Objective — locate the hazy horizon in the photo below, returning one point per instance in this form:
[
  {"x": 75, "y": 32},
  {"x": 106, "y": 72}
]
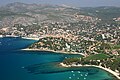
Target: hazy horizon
[{"x": 74, "y": 3}]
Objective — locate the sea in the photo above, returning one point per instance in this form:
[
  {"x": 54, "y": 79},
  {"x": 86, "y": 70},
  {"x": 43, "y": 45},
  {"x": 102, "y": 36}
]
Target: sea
[{"x": 16, "y": 64}]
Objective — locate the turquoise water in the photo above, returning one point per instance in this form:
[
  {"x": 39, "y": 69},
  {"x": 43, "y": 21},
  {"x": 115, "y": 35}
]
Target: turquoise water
[{"x": 30, "y": 65}]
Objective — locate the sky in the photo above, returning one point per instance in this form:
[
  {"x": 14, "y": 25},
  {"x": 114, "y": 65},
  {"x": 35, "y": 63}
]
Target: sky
[{"x": 74, "y": 3}]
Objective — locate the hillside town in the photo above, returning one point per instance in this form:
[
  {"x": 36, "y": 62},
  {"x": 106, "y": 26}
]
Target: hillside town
[{"x": 70, "y": 31}]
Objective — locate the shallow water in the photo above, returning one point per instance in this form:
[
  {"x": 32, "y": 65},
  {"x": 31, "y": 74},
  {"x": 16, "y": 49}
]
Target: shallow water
[{"x": 30, "y": 65}]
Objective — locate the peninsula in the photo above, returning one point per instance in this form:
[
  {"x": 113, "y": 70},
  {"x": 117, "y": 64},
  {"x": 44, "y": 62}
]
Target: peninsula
[{"x": 106, "y": 62}]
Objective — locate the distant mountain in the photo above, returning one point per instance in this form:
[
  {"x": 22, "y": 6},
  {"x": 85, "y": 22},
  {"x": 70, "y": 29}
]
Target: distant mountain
[
  {"x": 104, "y": 12},
  {"x": 16, "y": 13},
  {"x": 22, "y": 7},
  {"x": 27, "y": 14}
]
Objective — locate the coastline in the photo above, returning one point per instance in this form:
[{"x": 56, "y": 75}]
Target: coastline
[
  {"x": 106, "y": 69},
  {"x": 27, "y": 49},
  {"x": 21, "y": 37},
  {"x": 30, "y": 38}
]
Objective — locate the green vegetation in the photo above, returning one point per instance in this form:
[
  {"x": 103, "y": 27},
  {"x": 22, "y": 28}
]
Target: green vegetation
[
  {"x": 104, "y": 60},
  {"x": 62, "y": 44},
  {"x": 51, "y": 43},
  {"x": 116, "y": 46},
  {"x": 68, "y": 61},
  {"x": 97, "y": 57}
]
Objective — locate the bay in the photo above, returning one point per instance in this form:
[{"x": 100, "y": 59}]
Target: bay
[{"x": 33, "y": 65}]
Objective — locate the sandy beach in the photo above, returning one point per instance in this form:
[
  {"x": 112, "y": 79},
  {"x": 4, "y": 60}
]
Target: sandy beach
[
  {"x": 27, "y": 49},
  {"x": 31, "y": 38},
  {"x": 116, "y": 74}
]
